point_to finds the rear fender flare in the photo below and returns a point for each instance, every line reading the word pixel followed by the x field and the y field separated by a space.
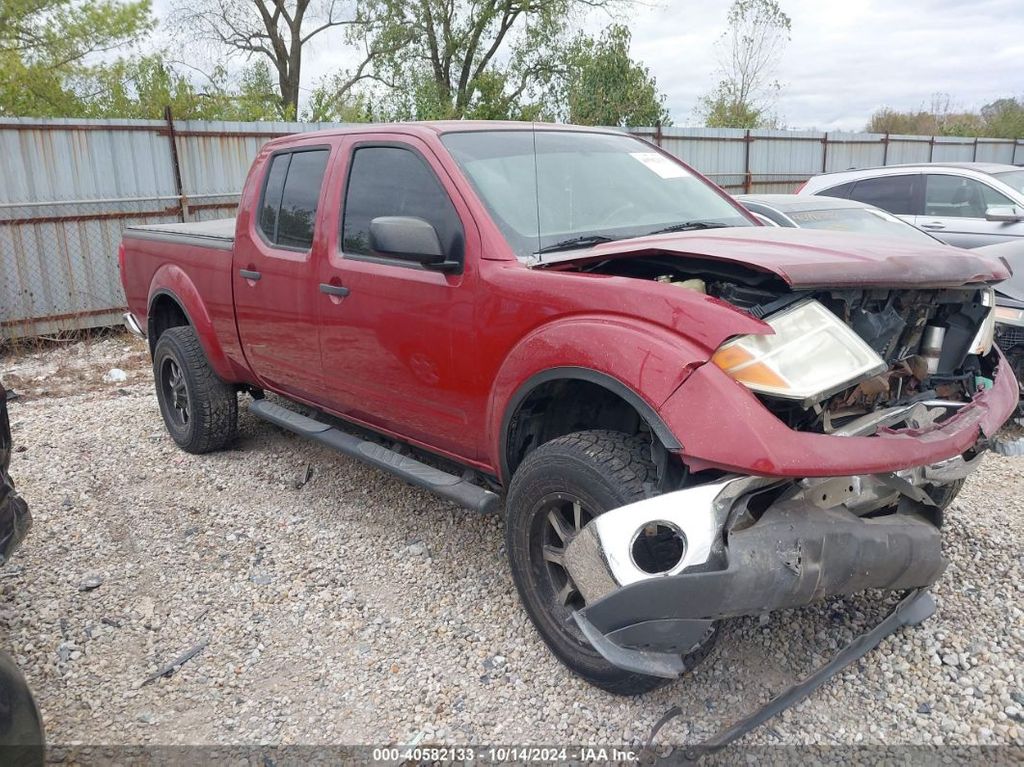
pixel 172 281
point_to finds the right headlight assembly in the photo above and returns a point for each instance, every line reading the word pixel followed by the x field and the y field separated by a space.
pixel 811 355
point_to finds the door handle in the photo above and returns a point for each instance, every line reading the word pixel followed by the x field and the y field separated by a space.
pixel 933 225
pixel 249 274
pixel 333 290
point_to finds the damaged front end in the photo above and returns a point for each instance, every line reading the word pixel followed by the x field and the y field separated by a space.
pixel 819 458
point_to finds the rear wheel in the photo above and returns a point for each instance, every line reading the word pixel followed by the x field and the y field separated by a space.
pixel 199 410
pixel 557 489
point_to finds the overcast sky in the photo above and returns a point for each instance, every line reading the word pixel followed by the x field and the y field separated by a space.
pixel 846 57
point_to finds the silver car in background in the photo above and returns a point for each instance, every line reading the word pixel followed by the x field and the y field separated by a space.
pixel 819 212
pixel 967 204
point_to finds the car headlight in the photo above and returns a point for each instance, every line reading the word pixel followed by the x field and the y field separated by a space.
pixel 985 337
pixel 1006 315
pixel 811 355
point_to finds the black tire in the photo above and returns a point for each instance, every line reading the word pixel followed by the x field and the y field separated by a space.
pixel 600 470
pixel 199 410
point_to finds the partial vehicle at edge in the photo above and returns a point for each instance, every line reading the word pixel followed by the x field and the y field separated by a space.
pixel 21 727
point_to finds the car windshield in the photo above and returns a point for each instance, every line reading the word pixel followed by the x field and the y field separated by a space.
pixel 864 220
pixel 1013 179
pixel 561 190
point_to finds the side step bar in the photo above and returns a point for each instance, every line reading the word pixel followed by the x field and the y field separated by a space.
pixel 449 486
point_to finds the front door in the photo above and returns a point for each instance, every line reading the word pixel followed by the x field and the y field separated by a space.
pixel 954 211
pixel 274 274
pixel 397 338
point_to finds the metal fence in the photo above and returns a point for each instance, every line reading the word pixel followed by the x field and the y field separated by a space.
pixel 68 188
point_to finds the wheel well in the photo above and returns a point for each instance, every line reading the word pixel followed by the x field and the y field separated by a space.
pixel 566 405
pixel 164 314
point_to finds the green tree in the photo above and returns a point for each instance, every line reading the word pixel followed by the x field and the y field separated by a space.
pixel 748 57
pixel 1004 118
pixel 941 118
pixel 469 58
pixel 50 51
pixel 605 86
pixel 277 32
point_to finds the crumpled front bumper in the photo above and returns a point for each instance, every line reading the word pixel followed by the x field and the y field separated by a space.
pixel 752 545
pixel 722 425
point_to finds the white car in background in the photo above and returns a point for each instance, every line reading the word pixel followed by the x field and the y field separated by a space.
pixel 967 204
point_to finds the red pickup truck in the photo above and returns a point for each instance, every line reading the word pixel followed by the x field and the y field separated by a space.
pixel 686 416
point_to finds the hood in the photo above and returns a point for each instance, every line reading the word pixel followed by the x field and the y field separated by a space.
pixel 811 258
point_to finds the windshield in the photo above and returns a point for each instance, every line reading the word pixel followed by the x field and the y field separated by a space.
pixel 864 220
pixel 560 190
pixel 1012 178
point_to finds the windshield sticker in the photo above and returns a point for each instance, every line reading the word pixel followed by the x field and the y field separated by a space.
pixel 660 164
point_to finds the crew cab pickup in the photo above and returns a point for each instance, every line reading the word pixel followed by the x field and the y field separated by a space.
pixel 686 416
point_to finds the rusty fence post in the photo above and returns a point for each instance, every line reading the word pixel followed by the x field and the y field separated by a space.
pixel 885 149
pixel 176 166
pixel 824 153
pixel 747 178
pixel 657 133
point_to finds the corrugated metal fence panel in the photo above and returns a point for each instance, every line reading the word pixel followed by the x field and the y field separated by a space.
pixel 782 160
pixel 953 149
pixel 854 150
pixel 68 188
pixel 995 150
pixel 904 149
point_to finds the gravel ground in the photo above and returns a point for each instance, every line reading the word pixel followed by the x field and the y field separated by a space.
pixel 351 608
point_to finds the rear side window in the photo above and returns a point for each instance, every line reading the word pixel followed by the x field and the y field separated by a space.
pixel 843 190
pixel 290 198
pixel 390 181
pixel 892 193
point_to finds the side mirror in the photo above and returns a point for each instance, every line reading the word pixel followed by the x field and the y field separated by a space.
pixel 1007 213
pixel 411 239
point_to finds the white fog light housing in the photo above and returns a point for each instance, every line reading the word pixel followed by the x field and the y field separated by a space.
pixel 811 354
pixel 985 337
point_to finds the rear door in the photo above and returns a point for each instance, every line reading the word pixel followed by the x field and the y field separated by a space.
pixel 898 194
pixel 954 211
pixel 275 286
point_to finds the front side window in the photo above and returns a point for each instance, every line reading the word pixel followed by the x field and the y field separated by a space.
pixel 556 190
pixel 959 197
pixel 290 198
pixel 391 181
pixel 892 193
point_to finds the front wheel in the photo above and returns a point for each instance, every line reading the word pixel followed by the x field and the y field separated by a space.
pixel 199 410
pixel 557 489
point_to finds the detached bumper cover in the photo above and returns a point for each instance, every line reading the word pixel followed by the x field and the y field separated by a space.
pixel 737 433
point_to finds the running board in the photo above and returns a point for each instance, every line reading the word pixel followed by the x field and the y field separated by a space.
pixel 455 489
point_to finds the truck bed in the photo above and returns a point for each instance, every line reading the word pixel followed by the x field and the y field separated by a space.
pixel 218 233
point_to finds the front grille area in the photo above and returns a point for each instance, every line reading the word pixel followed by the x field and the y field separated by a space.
pixel 1009 336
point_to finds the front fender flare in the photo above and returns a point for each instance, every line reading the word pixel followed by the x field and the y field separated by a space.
pixel 641 362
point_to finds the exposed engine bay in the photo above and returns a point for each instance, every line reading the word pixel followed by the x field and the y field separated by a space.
pixel 926 339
